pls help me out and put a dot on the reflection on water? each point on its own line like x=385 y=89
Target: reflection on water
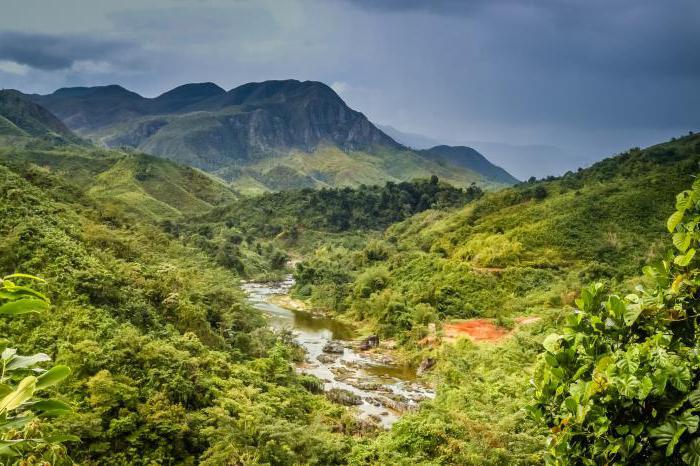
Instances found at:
x=307 y=322
x=385 y=390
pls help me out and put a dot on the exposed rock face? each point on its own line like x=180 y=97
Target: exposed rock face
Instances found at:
x=333 y=346
x=425 y=365
x=247 y=133
x=245 y=123
x=370 y=342
x=343 y=397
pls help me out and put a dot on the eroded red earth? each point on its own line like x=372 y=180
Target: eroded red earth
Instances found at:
x=481 y=330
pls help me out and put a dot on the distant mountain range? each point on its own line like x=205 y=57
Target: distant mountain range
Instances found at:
x=521 y=160
x=260 y=136
x=468 y=158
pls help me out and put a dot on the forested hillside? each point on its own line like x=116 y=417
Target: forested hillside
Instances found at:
x=169 y=362
x=523 y=248
x=520 y=256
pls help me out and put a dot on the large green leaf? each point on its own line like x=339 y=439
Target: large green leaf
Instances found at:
x=694 y=397
x=51 y=408
x=667 y=434
x=616 y=307
x=24 y=275
x=685 y=259
x=674 y=220
x=24 y=362
x=52 y=376
x=24 y=306
x=683 y=201
x=628 y=386
x=689 y=420
x=691 y=452
x=551 y=343
x=682 y=240
x=24 y=391
x=632 y=312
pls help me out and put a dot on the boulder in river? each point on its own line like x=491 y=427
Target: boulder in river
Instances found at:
x=325 y=358
x=370 y=342
x=425 y=365
x=343 y=397
x=334 y=347
x=364 y=384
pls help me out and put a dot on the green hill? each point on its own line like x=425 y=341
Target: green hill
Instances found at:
x=471 y=159
x=139 y=184
x=169 y=364
x=529 y=247
x=19 y=116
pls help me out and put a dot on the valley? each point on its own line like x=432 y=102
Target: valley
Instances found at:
x=409 y=314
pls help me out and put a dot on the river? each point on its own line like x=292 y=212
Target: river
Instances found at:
x=381 y=391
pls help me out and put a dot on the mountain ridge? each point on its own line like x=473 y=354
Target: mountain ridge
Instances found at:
x=468 y=157
x=250 y=130
x=22 y=117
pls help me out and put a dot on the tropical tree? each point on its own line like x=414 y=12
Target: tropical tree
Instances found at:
x=21 y=379
x=621 y=383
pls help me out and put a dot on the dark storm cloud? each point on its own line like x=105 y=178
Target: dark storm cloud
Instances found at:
x=56 y=51
x=627 y=36
x=589 y=76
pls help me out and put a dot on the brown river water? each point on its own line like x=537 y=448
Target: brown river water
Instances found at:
x=385 y=391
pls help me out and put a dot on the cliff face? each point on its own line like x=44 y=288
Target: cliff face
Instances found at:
x=257 y=117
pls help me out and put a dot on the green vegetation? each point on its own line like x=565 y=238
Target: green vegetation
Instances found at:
x=138 y=185
x=620 y=384
x=170 y=364
x=329 y=166
x=517 y=251
x=19 y=409
x=23 y=118
x=267 y=136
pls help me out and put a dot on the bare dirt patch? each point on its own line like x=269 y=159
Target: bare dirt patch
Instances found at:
x=481 y=330
x=477 y=330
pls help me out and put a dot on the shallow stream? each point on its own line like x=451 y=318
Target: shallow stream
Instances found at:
x=385 y=390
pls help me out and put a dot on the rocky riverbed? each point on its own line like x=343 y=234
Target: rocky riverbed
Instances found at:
x=379 y=390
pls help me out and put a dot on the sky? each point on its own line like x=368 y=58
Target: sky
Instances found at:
x=581 y=79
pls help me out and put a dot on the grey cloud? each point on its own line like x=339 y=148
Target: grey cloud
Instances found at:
x=57 y=51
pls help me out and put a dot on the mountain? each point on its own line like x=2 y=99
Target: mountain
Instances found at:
x=261 y=136
x=412 y=140
x=520 y=160
x=466 y=157
x=19 y=116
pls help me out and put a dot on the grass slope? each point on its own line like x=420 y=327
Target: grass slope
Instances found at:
x=140 y=184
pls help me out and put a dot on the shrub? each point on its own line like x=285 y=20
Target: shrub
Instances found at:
x=621 y=384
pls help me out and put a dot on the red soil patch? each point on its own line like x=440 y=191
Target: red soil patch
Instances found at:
x=477 y=330
x=527 y=320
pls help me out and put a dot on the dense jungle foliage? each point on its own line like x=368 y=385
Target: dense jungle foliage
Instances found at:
x=170 y=365
x=620 y=385
x=303 y=219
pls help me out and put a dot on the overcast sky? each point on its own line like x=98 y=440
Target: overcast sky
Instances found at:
x=591 y=77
